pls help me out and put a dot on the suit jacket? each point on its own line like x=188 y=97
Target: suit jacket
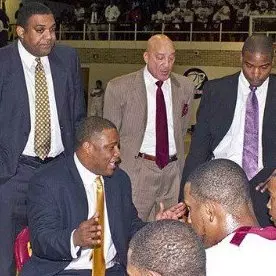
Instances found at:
x=214 y=118
x=14 y=103
x=126 y=106
x=57 y=204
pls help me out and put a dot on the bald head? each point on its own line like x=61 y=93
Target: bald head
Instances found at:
x=156 y=40
x=160 y=56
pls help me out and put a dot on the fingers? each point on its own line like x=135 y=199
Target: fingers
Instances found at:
x=161 y=204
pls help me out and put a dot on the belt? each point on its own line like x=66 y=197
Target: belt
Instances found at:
x=35 y=161
x=153 y=158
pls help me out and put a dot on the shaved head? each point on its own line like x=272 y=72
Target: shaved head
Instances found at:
x=160 y=56
x=156 y=40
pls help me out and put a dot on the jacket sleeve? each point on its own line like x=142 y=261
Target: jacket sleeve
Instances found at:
x=112 y=104
x=50 y=237
x=200 y=149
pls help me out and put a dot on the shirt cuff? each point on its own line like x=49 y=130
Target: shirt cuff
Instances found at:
x=74 y=249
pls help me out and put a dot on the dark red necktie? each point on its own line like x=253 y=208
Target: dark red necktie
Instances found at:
x=162 y=140
x=268 y=233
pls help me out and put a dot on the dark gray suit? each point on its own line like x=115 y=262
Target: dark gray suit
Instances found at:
x=15 y=128
x=57 y=204
x=215 y=116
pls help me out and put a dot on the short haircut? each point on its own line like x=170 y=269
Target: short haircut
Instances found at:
x=222 y=181
x=90 y=127
x=168 y=247
x=259 y=44
x=30 y=9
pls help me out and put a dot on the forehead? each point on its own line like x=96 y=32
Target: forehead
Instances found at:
x=162 y=46
x=41 y=20
x=110 y=136
x=256 y=58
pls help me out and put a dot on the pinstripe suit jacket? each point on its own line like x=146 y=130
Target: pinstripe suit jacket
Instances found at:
x=126 y=106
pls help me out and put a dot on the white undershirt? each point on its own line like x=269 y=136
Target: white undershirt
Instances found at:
x=231 y=146
x=149 y=142
x=29 y=64
x=83 y=261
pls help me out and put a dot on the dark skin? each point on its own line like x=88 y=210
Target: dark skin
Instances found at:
x=100 y=155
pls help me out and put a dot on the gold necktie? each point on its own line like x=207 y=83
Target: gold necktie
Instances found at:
x=42 y=137
x=98 y=268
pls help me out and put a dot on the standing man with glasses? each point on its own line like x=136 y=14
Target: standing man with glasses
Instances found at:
x=237 y=120
x=41 y=103
x=151 y=109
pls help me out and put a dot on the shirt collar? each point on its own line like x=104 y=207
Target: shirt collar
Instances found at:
x=27 y=58
x=245 y=83
x=151 y=79
x=87 y=176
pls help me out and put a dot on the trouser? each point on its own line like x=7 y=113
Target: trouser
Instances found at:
x=150 y=186
x=13 y=216
x=13 y=213
x=259 y=199
x=116 y=270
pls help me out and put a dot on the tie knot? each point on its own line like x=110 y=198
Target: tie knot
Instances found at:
x=38 y=60
x=99 y=182
x=159 y=83
x=253 y=88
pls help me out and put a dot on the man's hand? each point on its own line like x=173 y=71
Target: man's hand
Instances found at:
x=175 y=212
x=88 y=234
x=262 y=187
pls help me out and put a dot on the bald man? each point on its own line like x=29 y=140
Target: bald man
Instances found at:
x=131 y=103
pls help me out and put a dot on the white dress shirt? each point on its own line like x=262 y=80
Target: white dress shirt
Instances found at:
x=29 y=64
x=149 y=142
x=231 y=146
x=255 y=256
x=83 y=261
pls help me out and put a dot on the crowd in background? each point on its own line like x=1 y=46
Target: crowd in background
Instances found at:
x=167 y=16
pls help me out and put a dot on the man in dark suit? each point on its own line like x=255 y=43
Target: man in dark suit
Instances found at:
x=221 y=130
x=64 y=219
x=21 y=113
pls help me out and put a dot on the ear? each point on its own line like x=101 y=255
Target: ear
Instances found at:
x=87 y=146
x=211 y=210
x=20 y=32
x=146 y=57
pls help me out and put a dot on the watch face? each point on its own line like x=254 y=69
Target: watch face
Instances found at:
x=198 y=77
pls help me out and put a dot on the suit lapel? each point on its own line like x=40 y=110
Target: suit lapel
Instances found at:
x=59 y=77
x=79 y=191
x=111 y=199
x=227 y=105
x=176 y=106
x=140 y=96
x=20 y=83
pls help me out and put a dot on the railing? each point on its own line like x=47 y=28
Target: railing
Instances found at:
x=131 y=31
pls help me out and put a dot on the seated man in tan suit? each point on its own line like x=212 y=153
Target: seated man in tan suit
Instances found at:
x=151 y=109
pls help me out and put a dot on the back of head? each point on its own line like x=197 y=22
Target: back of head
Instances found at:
x=221 y=181
x=168 y=247
x=91 y=127
x=30 y=9
x=259 y=44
